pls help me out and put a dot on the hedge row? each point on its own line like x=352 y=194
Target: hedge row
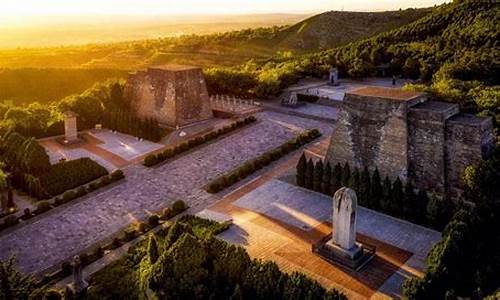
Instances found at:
x=70 y=195
x=125 y=236
x=251 y=166
x=153 y=159
x=70 y=174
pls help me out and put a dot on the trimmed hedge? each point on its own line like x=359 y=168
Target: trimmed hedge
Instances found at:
x=67 y=175
x=251 y=166
x=153 y=159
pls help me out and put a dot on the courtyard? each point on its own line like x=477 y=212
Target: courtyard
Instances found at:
x=43 y=242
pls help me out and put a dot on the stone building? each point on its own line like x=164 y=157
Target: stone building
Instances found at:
x=405 y=135
x=174 y=95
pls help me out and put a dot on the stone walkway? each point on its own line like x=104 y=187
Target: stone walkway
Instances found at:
x=59 y=234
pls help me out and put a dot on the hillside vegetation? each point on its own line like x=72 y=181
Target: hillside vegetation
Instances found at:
x=25 y=83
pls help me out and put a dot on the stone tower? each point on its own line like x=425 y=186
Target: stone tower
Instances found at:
x=404 y=135
x=174 y=95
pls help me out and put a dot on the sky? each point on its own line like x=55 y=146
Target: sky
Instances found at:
x=29 y=8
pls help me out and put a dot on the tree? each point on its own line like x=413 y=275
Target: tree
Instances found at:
x=13 y=284
x=409 y=202
x=336 y=179
x=376 y=191
x=355 y=181
x=397 y=198
x=327 y=175
x=153 y=252
x=385 y=201
x=421 y=207
x=436 y=213
x=318 y=176
x=346 y=175
x=309 y=174
x=365 y=187
x=301 y=170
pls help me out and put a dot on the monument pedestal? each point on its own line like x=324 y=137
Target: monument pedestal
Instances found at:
x=341 y=247
x=353 y=253
x=354 y=258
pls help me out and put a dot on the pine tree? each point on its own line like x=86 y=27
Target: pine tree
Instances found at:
x=355 y=181
x=327 y=174
x=376 y=191
x=301 y=171
x=318 y=176
x=336 y=179
x=153 y=252
x=409 y=202
x=397 y=198
x=346 y=175
x=386 y=199
x=420 y=205
x=309 y=174
x=364 y=188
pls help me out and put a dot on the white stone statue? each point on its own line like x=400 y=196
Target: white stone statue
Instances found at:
x=345 y=205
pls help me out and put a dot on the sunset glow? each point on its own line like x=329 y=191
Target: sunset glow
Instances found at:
x=13 y=8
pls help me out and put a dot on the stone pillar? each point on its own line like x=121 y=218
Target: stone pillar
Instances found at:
x=334 y=77
x=79 y=285
x=70 y=127
x=345 y=204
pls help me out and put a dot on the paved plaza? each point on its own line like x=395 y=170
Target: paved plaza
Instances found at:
x=123 y=145
x=59 y=234
x=279 y=221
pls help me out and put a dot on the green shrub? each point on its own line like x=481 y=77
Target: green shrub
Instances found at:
x=129 y=235
x=117 y=175
x=67 y=175
x=153 y=220
x=167 y=213
x=27 y=214
x=168 y=153
x=81 y=191
x=116 y=243
x=42 y=207
x=160 y=157
x=150 y=160
x=179 y=206
x=10 y=221
x=66 y=268
x=142 y=227
x=104 y=181
x=214 y=187
x=184 y=147
x=68 y=196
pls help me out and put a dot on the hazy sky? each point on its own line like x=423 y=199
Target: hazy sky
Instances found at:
x=22 y=8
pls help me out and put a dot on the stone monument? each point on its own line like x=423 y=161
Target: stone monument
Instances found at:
x=343 y=240
x=70 y=127
x=333 y=78
x=79 y=285
x=341 y=247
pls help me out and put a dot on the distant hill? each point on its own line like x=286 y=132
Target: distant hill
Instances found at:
x=337 y=28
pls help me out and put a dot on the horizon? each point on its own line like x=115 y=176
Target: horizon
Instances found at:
x=16 y=12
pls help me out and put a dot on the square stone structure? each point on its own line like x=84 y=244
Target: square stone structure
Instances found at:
x=174 y=95
x=405 y=135
x=70 y=127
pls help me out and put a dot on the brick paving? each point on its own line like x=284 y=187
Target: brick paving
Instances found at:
x=58 y=235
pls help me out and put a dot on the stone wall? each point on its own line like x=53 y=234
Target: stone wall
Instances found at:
x=427 y=122
x=174 y=95
x=468 y=140
x=372 y=132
